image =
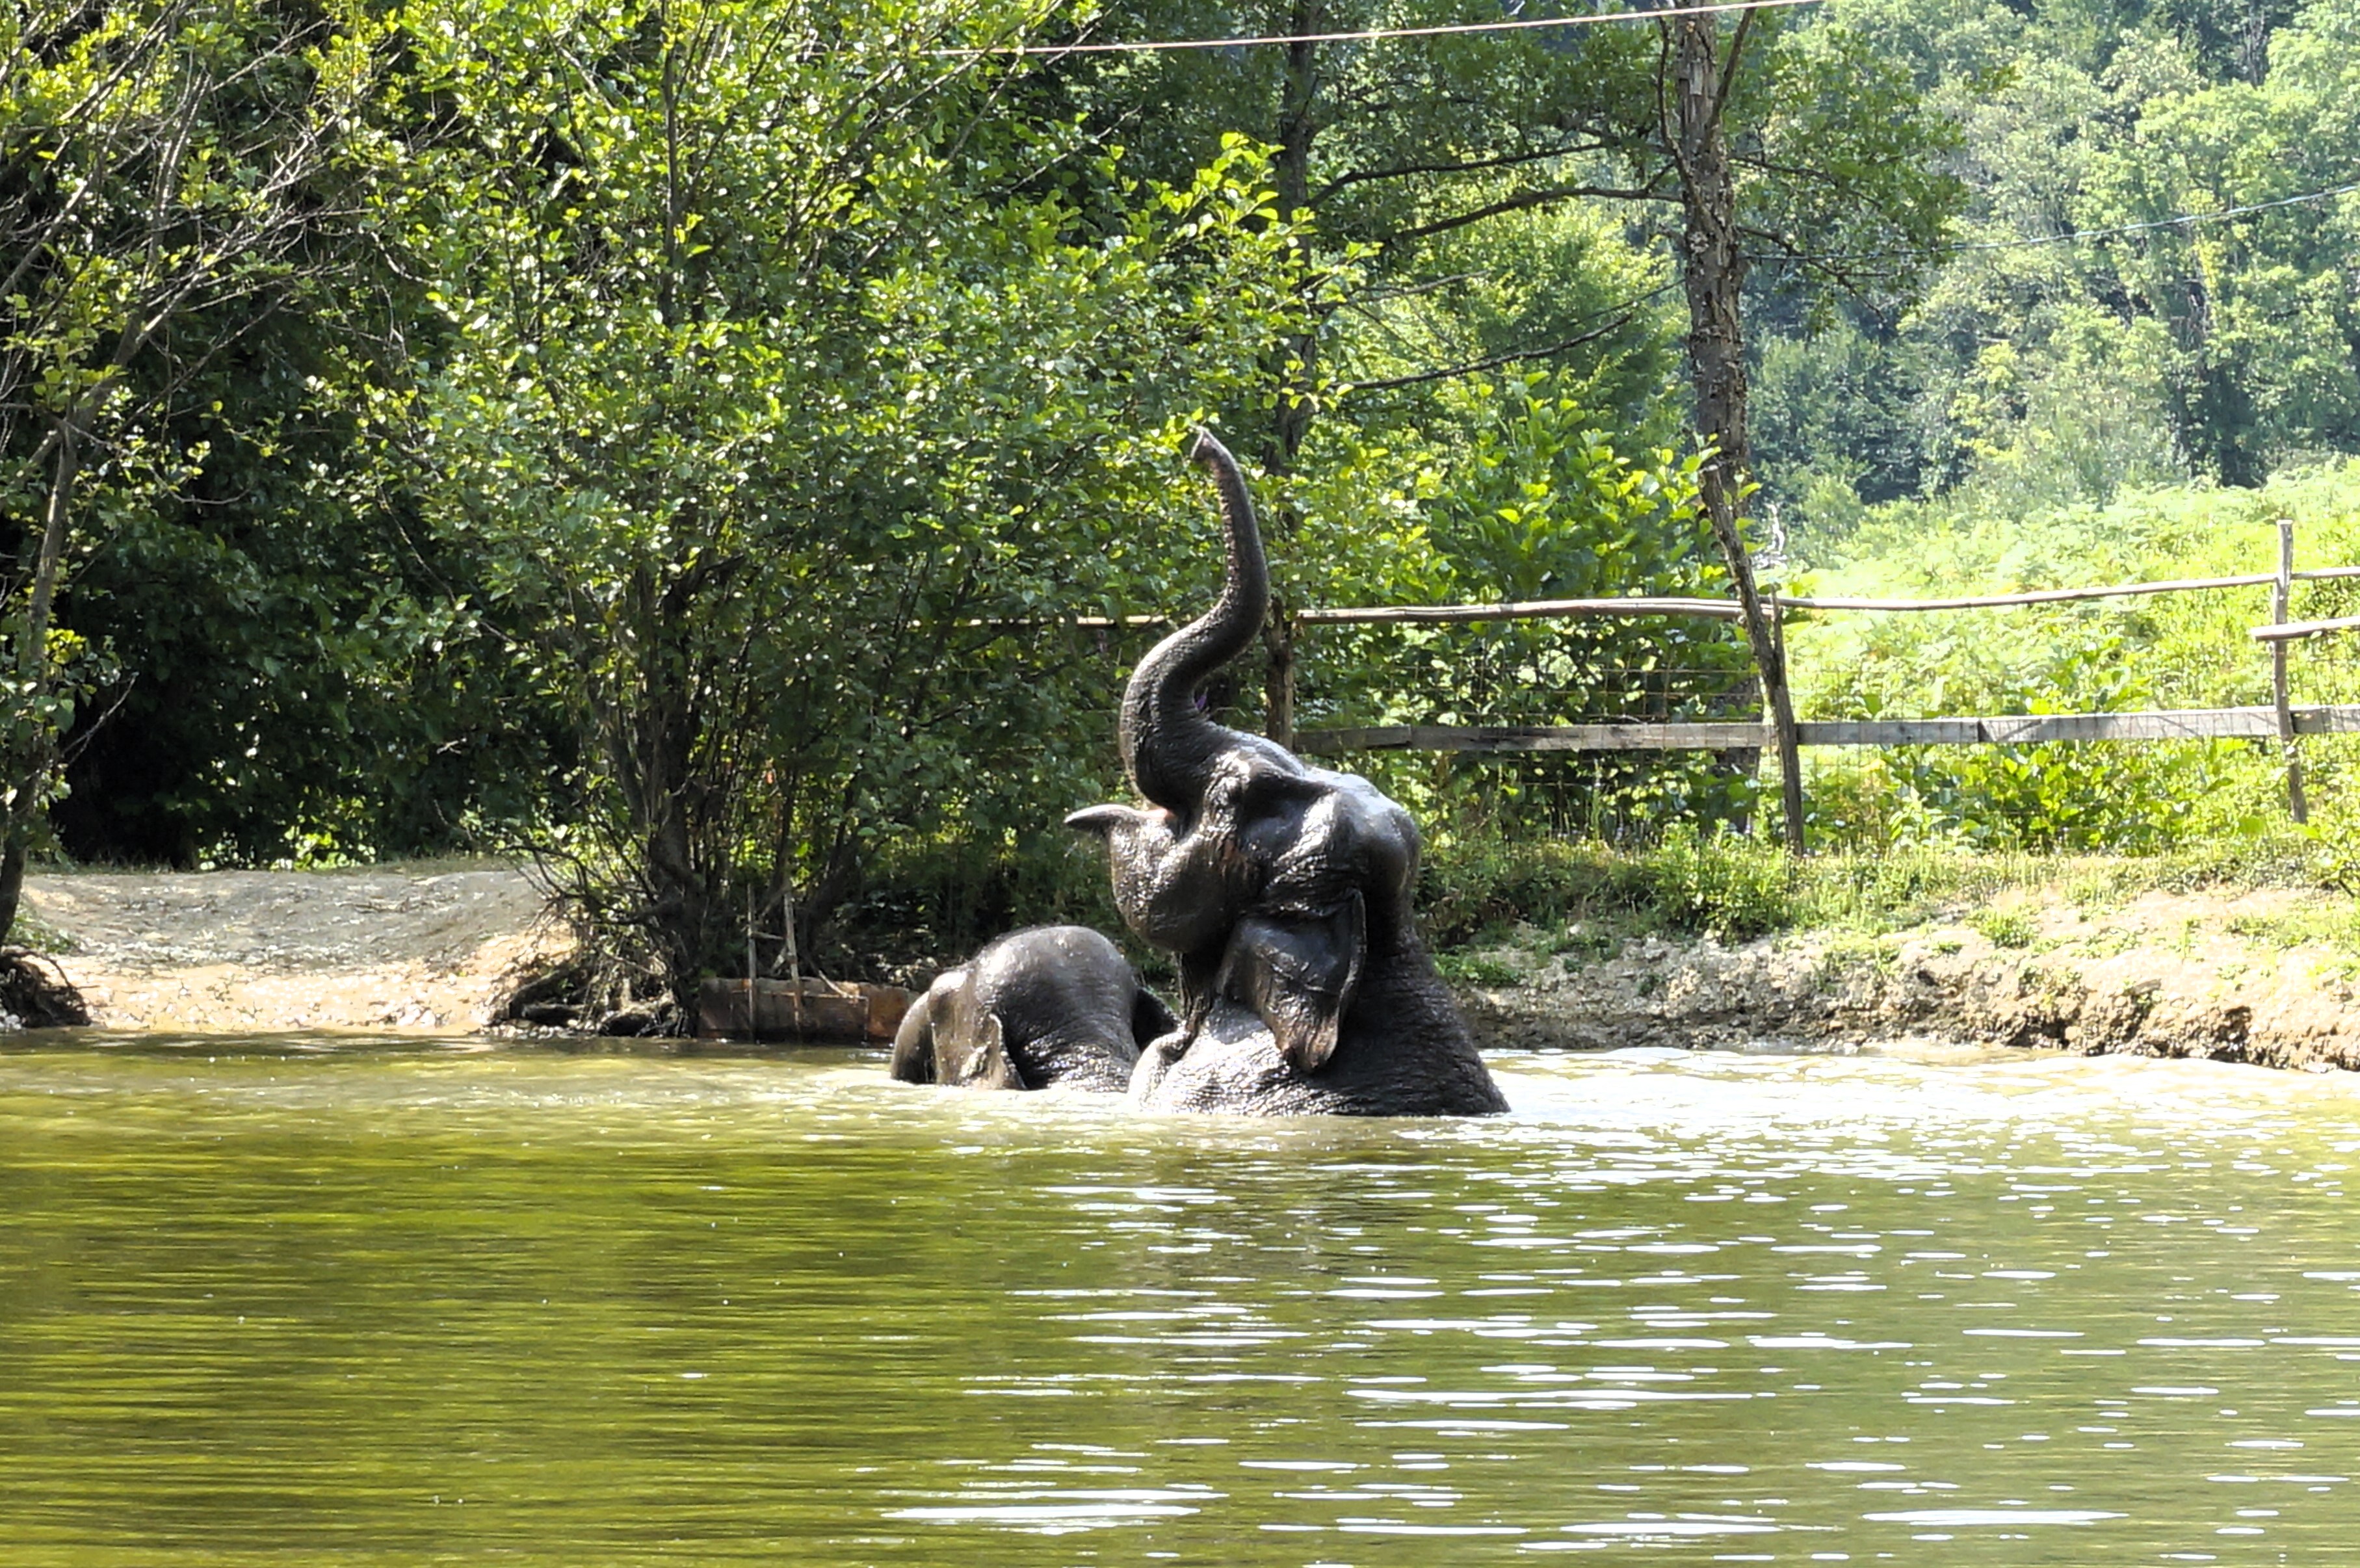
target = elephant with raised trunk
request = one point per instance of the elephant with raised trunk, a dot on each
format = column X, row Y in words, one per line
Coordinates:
column 1050, row 1005
column 1283, row 890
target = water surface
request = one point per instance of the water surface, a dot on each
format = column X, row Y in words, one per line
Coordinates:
column 404, row 1304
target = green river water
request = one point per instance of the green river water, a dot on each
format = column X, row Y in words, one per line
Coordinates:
column 391, row 1303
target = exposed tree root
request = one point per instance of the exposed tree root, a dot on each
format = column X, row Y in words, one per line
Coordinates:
column 587, row 993
column 35, row 994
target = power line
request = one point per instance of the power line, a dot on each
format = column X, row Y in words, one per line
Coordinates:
column 2180, row 221
column 1520, row 25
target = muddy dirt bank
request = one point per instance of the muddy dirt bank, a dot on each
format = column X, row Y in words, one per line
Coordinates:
column 431, row 950
column 424, row 949
column 2218, row 976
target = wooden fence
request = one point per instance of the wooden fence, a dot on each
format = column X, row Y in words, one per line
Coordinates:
column 2281, row 721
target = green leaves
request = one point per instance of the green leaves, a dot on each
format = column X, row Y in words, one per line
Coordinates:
column 789, row 441
column 2123, row 236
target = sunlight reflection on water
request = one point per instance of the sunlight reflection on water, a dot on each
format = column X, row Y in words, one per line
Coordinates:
column 632, row 1306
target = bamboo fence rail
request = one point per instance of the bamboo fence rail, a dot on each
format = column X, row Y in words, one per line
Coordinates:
column 2282, row 721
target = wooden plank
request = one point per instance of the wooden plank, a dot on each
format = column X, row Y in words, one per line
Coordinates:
column 1521, row 610
column 1892, row 732
column 1728, row 609
column 1634, row 605
column 2035, row 729
column 2070, row 596
column 1538, row 737
column 812, row 1010
column 2293, row 630
column 2009, row 729
column 2039, row 596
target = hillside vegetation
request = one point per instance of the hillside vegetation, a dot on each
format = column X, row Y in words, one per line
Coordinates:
column 2179, row 650
column 682, row 440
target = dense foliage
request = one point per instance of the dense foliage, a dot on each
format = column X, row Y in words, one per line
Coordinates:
column 729, row 449
column 2152, row 281
column 2189, row 650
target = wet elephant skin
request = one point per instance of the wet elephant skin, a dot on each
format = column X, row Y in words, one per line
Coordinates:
column 1049, row 1005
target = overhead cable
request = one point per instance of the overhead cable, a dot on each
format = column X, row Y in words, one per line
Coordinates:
column 2179, row 220
column 1367, row 34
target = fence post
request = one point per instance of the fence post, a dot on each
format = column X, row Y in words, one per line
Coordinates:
column 1279, row 632
column 1782, row 719
column 2281, row 597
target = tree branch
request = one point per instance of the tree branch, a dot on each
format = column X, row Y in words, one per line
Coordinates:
column 1494, row 361
column 1523, row 201
column 1403, row 172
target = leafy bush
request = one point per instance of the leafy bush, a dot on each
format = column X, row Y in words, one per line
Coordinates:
column 1544, row 504
column 2169, row 651
column 1724, row 884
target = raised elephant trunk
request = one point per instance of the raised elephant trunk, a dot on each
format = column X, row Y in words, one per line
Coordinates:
column 1168, row 745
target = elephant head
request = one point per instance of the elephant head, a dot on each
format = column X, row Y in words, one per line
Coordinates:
column 1281, row 887
column 1048, row 1004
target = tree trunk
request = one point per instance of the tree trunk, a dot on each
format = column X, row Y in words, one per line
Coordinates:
column 648, row 722
column 1713, row 272
column 30, row 770
column 1298, row 127
column 1278, row 634
column 12, row 883
column 33, row 657
column 2254, row 44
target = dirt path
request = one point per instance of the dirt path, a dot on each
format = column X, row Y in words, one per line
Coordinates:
column 424, row 949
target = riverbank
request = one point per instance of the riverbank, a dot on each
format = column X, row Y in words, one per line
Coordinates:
column 2268, row 975
column 2263, row 976
column 425, row 949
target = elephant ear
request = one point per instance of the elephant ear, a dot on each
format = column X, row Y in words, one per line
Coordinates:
column 986, row 1063
column 1297, row 969
column 913, row 1043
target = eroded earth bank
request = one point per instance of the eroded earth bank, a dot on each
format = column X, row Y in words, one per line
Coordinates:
column 418, row 949
column 2238, row 977
column 434, row 949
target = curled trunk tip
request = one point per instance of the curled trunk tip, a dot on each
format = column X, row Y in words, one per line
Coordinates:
column 1168, row 745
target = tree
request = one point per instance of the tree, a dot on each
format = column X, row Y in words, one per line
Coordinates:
column 1400, row 162
column 1396, row 152
column 790, row 428
column 161, row 194
column 2155, row 208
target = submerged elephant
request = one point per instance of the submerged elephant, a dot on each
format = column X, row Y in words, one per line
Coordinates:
column 1284, row 889
column 1047, row 1005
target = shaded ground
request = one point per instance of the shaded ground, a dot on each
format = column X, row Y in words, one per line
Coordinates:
column 428, row 948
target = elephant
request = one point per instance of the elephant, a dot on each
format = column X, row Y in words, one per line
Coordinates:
column 1283, row 890
column 1046, row 1005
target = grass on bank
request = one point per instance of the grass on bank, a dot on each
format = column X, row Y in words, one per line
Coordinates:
column 1732, row 887
column 1482, row 890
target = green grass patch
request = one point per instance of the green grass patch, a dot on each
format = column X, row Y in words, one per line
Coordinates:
column 1475, row 969
column 36, row 933
column 1478, row 890
column 2003, row 927
column 2331, row 923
